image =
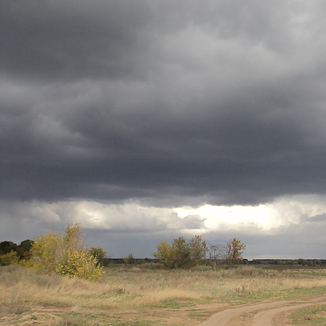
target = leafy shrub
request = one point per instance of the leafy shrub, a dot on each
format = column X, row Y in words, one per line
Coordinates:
column 80, row 264
column 9, row 258
column 65, row 255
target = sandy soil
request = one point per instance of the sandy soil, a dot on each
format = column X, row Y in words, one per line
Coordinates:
column 262, row 314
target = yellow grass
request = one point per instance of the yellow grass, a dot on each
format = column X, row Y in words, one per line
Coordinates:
column 26, row 290
column 138, row 287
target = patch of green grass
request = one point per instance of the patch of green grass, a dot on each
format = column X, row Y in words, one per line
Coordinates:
column 176, row 303
column 89, row 319
column 290, row 294
column 137, row 322
column 308, row 316
column 200, row 314
column 75, row 319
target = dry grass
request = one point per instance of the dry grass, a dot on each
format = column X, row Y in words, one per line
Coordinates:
column 135, row 286
column 23, row 289
column 314, row 315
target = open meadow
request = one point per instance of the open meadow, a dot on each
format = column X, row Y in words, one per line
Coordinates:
column 140, row 295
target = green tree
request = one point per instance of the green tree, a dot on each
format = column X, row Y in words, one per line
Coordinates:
column 23, row 249
column 129, row 259
column 234, row 251
column 10, row 252
column 198, row 250
column 7, row 246
column 182, row 253
column 65, row 254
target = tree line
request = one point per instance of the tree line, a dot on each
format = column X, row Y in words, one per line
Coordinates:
column 66, row 254
column 182, row 253
column 11, row 253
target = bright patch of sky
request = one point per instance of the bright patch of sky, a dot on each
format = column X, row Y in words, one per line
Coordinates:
column 267, row 217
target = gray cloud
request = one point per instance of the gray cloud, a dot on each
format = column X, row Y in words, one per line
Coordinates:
column 58, row 40
column 168, row 103
column 251, row 151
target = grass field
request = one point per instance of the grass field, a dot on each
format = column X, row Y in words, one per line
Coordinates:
column 142, row 296
column 315, row 315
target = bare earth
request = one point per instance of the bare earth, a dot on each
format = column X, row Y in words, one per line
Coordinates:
column 263, row 314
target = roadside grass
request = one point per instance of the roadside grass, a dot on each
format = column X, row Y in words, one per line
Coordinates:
column 74, row 319
column 76, row 301
column 86, row 319
column 314, row 315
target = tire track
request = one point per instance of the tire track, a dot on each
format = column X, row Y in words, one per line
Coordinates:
column 269, row 317
column 266, row 314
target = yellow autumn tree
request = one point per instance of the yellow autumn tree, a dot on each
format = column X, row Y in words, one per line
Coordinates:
column 164, row 254
column 234, row 251
column 65, row 254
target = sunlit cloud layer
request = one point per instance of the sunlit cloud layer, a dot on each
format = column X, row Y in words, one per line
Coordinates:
column 295, row 215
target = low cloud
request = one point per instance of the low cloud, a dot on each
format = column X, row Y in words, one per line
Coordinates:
column 115, row 226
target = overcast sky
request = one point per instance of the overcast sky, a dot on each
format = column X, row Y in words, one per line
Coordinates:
column 148, row 120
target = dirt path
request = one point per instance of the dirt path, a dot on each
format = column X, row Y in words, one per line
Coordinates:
column 263, row 314
column 260, row 314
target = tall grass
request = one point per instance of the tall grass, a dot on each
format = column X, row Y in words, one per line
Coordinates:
column 135, row 287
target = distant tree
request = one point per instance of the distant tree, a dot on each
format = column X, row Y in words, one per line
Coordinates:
column 234, row 250
column 23, row 249
column 181, row 253
column 129, row 259
column 198, row 250
column 7, row 246
column 217, row 253
column 10, row 253
column 164, row 254
column 301, row 261
column 26, row 245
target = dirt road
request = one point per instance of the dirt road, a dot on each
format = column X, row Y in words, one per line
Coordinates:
column 263, row 314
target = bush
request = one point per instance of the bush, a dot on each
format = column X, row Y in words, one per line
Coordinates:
column 65, row 255
column 80, row 264
column 10, row 258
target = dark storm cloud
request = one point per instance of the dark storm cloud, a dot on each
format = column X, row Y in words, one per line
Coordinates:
column 169, row 103
column 71, row 39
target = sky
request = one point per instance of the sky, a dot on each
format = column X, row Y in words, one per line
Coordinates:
column 149, row 120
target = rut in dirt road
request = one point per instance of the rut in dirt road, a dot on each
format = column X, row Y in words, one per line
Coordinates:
column 263, row 314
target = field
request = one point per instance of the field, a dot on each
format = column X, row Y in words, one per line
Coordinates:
column 143, row 296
